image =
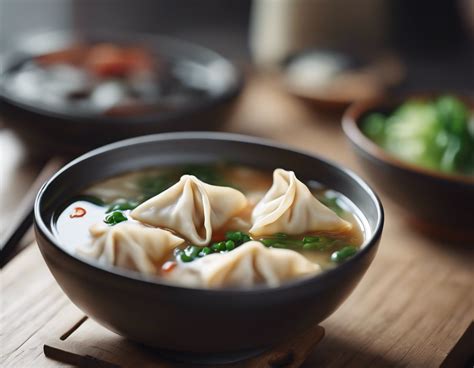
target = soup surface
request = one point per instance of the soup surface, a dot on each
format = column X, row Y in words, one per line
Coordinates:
column 111, row 201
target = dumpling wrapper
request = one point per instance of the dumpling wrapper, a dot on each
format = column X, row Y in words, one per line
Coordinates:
column 248, row 265
column 192, row 208
column 131, row 245
column 290, row 207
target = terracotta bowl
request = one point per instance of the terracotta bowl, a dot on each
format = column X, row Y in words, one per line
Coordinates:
column 224, row 321
column 440, row 205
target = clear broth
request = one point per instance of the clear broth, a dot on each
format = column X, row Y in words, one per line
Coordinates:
column 140, row 185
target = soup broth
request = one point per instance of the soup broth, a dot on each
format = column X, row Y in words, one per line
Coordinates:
column 111, row 202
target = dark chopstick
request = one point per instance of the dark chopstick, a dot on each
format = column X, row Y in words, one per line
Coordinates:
column 23, row 219
column 14, row 238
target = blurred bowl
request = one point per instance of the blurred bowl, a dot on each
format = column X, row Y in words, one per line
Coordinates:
column 224, row 321
column 439, row 204
column 332, row 80
column 46, row 129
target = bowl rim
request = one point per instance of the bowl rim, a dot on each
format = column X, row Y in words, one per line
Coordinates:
column 155, row 281
column 231, row 91
column 351, row 121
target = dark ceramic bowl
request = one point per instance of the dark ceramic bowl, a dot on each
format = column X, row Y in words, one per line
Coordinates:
column 45, row 129
column 196, row 320
column 440, row 205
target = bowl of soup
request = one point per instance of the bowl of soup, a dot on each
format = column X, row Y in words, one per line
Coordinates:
column 206, row 242
column 68, row 92
column 419, row 150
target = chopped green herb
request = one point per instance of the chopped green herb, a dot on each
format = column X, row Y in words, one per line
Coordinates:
column 320, row 243
column 229, row 245
column 115, row 218
column 343, row 254
column 185, row 258
column 122, row 206
column 311, row 239
column 282, row 243
column 238, row 237
column 192, row 251
column 205, row 251
column 218, row 247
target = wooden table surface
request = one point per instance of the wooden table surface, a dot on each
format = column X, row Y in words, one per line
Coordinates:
column 410, row 309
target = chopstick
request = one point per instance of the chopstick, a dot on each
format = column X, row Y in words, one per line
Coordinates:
column 23, row 219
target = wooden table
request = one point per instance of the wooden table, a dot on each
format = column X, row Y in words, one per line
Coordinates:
column 410, row 309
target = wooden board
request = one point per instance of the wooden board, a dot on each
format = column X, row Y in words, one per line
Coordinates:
column 410, row 309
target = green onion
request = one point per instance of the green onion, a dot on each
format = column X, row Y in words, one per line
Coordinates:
column 205, row 251
column 235, row 236
column 229, row 245
column 238, row 237
column 218, row 247
column 185, row 258
column 122, row 206
column 115, row 218
column 343, row 254
column 282, row 243
column 192, row 251
column 311, row 239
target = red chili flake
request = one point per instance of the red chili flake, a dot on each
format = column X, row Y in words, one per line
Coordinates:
column 169, row 266
column 78, row 212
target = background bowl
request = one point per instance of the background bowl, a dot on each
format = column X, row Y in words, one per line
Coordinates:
column 48, row 130
column 196, row 320
column 439, row 204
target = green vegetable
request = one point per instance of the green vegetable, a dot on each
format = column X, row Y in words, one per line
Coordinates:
column 185, row 258
column 343, row 254
column 205, row 251
column 192, row 251
column 319, row 243
column 218, row 247
column 122, row 206
column 436, row 134
column 115, row 218
column 282, row 243
column 238, row 237
column 311, row 239
column 229, row 245
column 374, row 127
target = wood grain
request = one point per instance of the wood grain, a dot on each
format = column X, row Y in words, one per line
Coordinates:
column 410, row 309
